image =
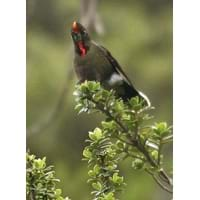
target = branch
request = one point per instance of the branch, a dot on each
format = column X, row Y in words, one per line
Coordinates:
column 133, row 136
column 137, row 144
column 90, row 17
column 126, row 142
column 142, row 148
column 165, row 177
column 158, row 181
column 167, row 139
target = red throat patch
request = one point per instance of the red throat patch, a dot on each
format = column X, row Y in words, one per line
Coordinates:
column 82, row 48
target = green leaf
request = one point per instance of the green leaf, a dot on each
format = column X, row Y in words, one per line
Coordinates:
column 135, row 103
column 137, row 163
column 77, row 93
column 161, row 129
column 96, row 134
column 93, row 86
column 117, row 179
column 105, row 149
column 119, row 107
column 58, row 192
column 154, row 155
column 96, row 169
column 108, row 125
column 109, row 196
column 97, row 186
column 78, row 107
column 87, row 153
column 67, row 198
column 41, row 179
column 111, row 167
column 40, row 163
column 91, row 173
column 121, row 145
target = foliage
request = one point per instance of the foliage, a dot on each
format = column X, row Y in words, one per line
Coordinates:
column 40, row 180
column 124, row 134
column 140, row 38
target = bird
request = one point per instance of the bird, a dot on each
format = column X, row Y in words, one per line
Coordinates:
column 93, row 62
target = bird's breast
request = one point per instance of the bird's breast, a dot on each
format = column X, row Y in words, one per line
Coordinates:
column 92, row 66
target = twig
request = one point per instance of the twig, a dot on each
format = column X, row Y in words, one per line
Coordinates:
column 167, row 139
column 137, row 143
column 100, row 107
column 159, row 153
column 142, row 148
column 158, row 181
column 127, row 142
column 31, row 196
column 162, row 173
column 165, row 177
column 90, row 17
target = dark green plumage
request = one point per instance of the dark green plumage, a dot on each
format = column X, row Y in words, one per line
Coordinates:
column 93, row 62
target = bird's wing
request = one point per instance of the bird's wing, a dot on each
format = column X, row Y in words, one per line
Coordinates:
column 117, row 68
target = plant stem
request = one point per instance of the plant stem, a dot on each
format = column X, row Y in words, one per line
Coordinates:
column 158, row 181
column 136, row 142
column 164, row 175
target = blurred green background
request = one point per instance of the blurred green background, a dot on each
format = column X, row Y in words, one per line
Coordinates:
column 139, row 35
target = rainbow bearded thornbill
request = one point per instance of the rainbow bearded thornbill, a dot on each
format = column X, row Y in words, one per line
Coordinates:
column 93, row 62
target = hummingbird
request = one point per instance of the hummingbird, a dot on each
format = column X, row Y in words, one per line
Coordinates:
column 93, row 62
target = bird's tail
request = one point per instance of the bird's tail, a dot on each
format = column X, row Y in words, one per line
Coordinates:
column 145, row 98
column 130, row 91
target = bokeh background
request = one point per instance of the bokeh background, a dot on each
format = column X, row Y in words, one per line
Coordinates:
column 139, row 35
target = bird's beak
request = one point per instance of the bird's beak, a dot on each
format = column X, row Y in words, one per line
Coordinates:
column 75, row 27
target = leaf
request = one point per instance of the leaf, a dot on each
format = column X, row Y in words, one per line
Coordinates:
column 154, row 155
column 40, row 163
column 104, row 150
column 121, row 145
column 135, row 103
column 97, row 186
column 93, row 86
column 108, row 125
column 58, row 192
column 41, row 179
column 161, row 129
column 96, row 169
column 78, row 107
column 137, row 163
column 76, row 93
column 87, row 153
column 91, row 173
column 109, row 196
column 117, row 179
column 96, row 134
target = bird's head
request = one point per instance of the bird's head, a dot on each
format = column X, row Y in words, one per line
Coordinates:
column 80, row 38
